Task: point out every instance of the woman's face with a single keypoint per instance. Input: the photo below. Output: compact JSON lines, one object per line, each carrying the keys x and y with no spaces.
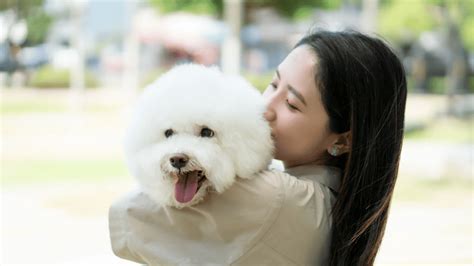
{"x":300,"y":124}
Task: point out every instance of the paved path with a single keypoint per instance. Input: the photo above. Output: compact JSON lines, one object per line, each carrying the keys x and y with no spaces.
{"x":62,"y":223}
{"x":434,"y":160}
{"x":421,"y":234}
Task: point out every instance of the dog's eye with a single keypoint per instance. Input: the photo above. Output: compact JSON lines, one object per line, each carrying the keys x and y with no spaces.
{"x":206,"y":132}
{"x":168,"y":133}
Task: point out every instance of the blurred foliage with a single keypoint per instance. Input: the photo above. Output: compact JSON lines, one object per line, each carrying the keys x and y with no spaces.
{"x":296,"y":9}
{"x":467,"y":27}
{"x":38,"y":25}
{"x":259,"y":81}
{"x":437,"y":85}
{"x":194,"y":6}
{"x":403,"y":21}
{"x":37,"y":21}
{"x":462,"y":14}
{"x":21,"y":7}
{"x":49,"y":77}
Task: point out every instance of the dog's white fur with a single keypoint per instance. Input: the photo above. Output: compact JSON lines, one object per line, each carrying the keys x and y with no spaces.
{"x":186,"y":99}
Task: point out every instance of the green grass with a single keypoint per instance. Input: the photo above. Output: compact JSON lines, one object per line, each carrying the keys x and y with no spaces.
{"x":445,"y":130}
{"x":50,"y":77}
{"x":43,"y":171}
{"x":31,"y":107}
{"x":26,"y":107}
{"x":447,"y":190}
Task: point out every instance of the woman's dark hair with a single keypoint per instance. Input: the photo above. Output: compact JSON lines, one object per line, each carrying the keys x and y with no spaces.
{"x":363,"y":89}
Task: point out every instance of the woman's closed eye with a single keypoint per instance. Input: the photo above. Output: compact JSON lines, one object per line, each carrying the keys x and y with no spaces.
{"x":290,"y":106}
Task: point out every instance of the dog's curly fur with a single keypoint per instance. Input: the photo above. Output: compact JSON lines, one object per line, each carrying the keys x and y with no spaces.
{"x":185,"y":100}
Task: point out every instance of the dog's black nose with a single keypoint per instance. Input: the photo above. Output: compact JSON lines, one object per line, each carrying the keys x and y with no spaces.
{"x":179,"y":160}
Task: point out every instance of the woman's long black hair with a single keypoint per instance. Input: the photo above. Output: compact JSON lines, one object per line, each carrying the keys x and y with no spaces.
{"x":363,"y":88}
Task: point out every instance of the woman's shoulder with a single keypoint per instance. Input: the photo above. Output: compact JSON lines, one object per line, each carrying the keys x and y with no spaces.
{"x":301,"y":216}
{"x":263,"y":210}
{"x":292,"y":195}
{"x":278,"y":182}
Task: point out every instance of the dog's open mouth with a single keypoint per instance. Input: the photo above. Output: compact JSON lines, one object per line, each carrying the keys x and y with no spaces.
{"x":188,"y":185}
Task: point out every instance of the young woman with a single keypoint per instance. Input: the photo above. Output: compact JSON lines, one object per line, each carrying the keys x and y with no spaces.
{"x":336,"y":107}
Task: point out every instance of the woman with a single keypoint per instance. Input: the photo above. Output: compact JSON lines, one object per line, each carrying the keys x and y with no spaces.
{"x":336,"y":107}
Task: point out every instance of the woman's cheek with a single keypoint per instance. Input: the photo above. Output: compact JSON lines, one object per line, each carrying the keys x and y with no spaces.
{"x":283,"y":140}
{"x":280,"y":150}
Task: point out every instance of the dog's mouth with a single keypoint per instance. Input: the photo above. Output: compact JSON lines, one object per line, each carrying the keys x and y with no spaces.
{"x":188,"y":184}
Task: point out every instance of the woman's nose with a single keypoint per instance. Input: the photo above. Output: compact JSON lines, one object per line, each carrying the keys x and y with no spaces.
{"x":269,"y":115}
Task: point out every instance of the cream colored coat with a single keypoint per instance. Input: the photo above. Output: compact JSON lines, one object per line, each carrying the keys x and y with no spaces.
{"x":274,"y":219}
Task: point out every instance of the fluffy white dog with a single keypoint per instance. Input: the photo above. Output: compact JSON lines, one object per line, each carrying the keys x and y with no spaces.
{"x":196,"y":129}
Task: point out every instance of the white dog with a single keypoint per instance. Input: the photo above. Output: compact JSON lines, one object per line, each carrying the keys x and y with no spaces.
{"x":196,"y":129}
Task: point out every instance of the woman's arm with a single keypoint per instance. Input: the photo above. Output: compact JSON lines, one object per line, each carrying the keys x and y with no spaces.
{"x":218,"y":230}
{"x":273,"y":218}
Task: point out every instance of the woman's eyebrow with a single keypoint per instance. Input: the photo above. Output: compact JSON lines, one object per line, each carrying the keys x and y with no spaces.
{"x":297,"y":94}
{"x":293,"y":90}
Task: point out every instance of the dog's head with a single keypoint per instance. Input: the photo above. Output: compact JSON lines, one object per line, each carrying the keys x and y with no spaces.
{"x":196,"y":129}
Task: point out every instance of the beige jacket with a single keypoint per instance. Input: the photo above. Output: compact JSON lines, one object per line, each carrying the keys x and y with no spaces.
{"x":274,"y":219}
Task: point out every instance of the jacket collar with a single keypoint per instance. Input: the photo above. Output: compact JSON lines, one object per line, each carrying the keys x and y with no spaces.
{"x":327,"y":175}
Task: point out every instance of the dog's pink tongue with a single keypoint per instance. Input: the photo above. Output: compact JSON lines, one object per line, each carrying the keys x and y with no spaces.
{"x":186,"y":187}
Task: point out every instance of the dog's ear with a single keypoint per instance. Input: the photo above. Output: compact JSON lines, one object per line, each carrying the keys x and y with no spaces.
{"x":247,"y":135}
{"x":251,"y":148}
{"x":252,"y":153}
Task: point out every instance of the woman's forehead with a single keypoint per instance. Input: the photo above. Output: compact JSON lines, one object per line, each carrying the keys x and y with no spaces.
{"x":302,"y":55}
{"x":298,"y":70}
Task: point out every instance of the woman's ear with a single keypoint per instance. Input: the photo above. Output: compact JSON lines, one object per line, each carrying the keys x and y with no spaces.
{"x":342,"y":144}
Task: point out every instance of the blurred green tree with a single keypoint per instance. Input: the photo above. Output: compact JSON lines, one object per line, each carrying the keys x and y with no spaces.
{"x":37,"y":20}
{"x":461,"y":14}
{"x":194,"y":6}
{"x":296,"y":9}
{"x":404,"y":20}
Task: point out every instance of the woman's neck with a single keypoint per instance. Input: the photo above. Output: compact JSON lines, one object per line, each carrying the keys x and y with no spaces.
{"x":291,"y":164}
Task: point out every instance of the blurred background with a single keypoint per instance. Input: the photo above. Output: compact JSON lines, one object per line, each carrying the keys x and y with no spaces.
{"x":69,"y":70}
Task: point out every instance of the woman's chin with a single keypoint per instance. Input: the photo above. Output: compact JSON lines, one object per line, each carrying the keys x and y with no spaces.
{"x":278,"y":156}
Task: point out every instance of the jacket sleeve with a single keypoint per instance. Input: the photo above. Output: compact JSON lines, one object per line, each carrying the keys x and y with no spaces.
{"x":301,"y":232}
{"x":272,"y":219}
{"x":118,"y":228}
{"x":219,"y":230}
